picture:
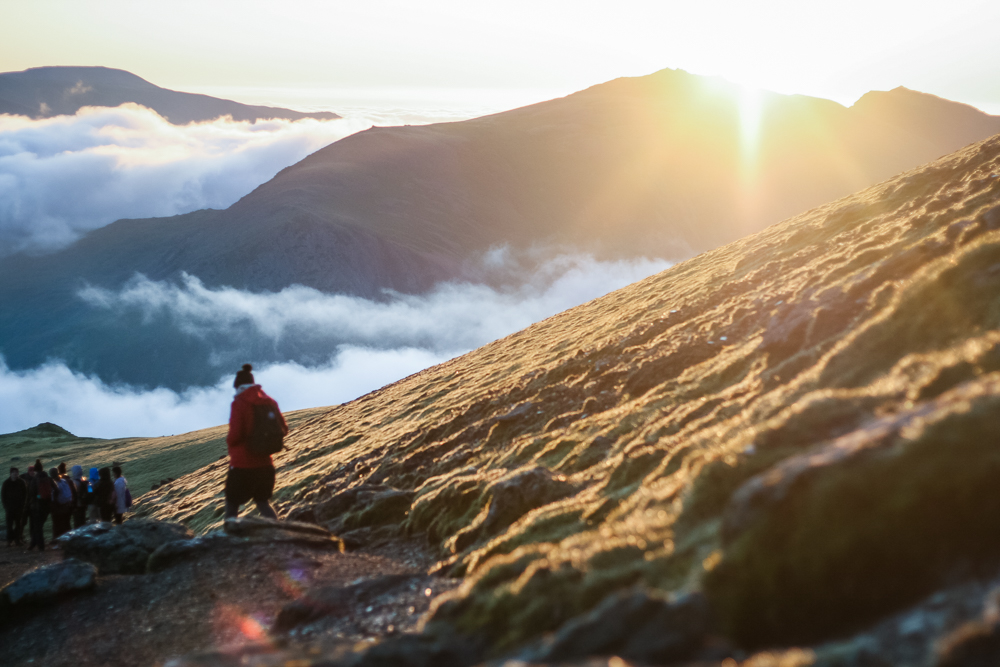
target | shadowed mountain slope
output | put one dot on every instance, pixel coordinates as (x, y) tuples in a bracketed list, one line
[(798, 426), (51, 91), (665, 165)]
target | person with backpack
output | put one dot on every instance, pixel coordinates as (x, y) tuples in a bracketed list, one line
[(256, 430), (79, 483), (63, 500), (14, 494), (104, 494), (123, 497), (39, 505)]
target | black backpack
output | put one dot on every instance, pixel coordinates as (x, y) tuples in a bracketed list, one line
[(267, 436)]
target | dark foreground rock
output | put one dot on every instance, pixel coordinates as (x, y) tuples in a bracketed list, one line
[(409, 650), (341, 600), (47, 584), (637, 625), (123, 549)]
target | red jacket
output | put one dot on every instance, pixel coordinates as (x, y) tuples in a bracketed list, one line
[(240, 425)]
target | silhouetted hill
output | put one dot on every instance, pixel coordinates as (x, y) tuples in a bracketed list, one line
[(49, 91), (665, 165)]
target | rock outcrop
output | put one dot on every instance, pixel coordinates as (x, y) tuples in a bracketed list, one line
[(123, 549), (45, 585)]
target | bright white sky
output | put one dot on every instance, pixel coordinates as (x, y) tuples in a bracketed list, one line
[(837, 50)]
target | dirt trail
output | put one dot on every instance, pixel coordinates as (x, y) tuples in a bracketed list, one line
[(219, 601)]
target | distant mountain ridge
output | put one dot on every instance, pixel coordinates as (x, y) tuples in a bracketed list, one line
[(49, 91), (647, 166)]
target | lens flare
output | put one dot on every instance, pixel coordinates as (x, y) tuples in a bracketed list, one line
[(750, 109), (233, 626)]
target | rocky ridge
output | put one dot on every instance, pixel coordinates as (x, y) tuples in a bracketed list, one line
[(793, 432)]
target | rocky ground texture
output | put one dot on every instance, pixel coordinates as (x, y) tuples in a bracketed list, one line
[(781, 452)]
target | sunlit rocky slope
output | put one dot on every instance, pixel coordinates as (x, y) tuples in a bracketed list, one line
[(49, 91), (798, 428)]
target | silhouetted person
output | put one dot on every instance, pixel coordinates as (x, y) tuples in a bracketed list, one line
[(14, 494), (39, 505), (80, 485), (121, 494), (251, 475), (104, 494)]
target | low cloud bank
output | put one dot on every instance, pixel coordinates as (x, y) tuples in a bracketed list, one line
[(341, 346), (87, 406), (61, 177), (452, 318)]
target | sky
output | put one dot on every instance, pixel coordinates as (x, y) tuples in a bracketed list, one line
[(330, 51)]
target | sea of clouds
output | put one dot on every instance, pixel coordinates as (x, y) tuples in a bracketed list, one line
[(61, 177), (364, 344)]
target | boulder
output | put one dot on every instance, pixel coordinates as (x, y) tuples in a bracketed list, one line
[(361, 506), (638, 625), (123, 549), (46, 584), (171, 553), (511, 497), (326, 601)]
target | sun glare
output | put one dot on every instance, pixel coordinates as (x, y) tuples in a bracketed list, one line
[(750, 110)]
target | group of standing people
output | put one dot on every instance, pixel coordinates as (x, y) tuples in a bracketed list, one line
[(74, 500), (71, 499)]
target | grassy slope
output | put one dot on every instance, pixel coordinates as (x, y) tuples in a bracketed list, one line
[(144, 461), (844, 355)]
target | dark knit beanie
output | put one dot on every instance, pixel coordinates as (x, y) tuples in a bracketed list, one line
[(38, 466), (244, 376)]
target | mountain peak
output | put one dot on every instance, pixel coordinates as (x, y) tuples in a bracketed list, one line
[(39, 92), (44, 430)]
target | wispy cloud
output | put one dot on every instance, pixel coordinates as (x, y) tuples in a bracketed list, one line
[(328, 348), (452, 318), (63, 176)]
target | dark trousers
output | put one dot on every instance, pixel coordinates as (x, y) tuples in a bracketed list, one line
[(15, 525), (79, 517), (61, 518), (37, 515)]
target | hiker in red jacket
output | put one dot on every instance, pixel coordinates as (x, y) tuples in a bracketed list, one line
[(251, 475)]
